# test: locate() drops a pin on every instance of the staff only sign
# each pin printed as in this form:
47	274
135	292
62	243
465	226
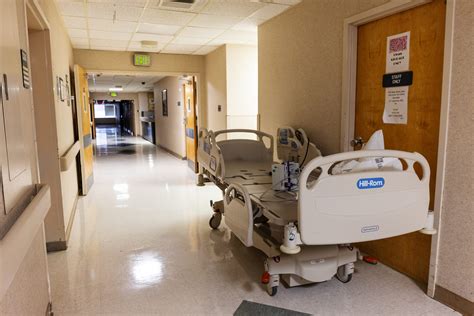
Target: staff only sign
397	79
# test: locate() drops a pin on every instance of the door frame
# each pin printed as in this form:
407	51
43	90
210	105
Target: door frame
194	82
349	68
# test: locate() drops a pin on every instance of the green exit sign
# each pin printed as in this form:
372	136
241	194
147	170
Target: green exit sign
141	60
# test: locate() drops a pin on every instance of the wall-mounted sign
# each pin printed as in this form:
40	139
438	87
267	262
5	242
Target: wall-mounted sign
396	93
398	79
141	60
25	70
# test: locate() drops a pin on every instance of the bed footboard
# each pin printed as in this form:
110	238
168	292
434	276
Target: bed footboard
365	205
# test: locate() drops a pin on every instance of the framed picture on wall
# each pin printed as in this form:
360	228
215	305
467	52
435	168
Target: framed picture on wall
164	101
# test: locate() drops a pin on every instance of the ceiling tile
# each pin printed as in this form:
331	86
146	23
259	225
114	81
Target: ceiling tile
232	8
106	48
75	22
238	36
190	40
109	43
107	11
158	28
152	37
72	8
205	50
180	49
132	3
249	25
110	25
214	21
166	17
109	35
202	32
77	33
269	11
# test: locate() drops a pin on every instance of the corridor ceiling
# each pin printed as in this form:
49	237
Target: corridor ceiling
177	27
100	82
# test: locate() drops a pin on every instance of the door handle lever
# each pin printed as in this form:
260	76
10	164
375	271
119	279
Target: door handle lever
358	141
5	83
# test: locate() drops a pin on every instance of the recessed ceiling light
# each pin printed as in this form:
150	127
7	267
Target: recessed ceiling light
149	44
115	89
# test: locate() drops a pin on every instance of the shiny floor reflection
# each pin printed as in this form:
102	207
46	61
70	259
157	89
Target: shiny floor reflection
141	245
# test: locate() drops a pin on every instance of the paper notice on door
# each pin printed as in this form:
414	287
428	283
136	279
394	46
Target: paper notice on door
398	53
396	105
398	60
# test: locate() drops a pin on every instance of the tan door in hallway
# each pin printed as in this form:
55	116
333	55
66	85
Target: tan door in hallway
189	91
85	128
409	254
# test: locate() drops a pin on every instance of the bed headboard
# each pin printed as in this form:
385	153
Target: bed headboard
365	205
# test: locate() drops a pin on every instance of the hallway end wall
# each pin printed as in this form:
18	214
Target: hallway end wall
122	96
161	64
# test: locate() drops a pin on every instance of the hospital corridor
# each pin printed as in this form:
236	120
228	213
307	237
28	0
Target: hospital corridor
236	157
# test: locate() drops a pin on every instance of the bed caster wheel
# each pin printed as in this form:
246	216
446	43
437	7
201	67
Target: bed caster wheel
344	273
215	220
272	285
272	291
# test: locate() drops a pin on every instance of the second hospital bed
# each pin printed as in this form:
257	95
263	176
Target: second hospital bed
307	235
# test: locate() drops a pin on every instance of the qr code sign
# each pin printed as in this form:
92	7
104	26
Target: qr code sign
398	44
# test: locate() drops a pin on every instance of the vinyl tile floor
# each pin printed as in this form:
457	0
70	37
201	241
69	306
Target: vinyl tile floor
141	245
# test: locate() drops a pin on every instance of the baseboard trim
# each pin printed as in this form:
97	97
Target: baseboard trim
53	246
454	301
71	218
171	152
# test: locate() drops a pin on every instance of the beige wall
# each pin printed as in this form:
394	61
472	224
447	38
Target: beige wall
456	239
216	88
62	62
300	69
242	86
170	132
25	288
29	294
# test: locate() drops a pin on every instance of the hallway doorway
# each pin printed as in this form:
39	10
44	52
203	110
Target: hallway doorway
114	113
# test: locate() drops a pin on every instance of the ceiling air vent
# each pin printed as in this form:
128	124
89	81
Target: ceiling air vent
181	5
178	4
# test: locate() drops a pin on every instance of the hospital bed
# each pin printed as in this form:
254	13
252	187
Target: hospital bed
307	235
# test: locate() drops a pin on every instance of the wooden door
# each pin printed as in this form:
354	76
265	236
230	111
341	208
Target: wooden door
85	128
189	90
409	254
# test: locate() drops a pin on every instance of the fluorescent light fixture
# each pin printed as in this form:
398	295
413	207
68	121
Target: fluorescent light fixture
115	89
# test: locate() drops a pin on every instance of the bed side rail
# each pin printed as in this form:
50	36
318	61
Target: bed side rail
364	205
209	154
